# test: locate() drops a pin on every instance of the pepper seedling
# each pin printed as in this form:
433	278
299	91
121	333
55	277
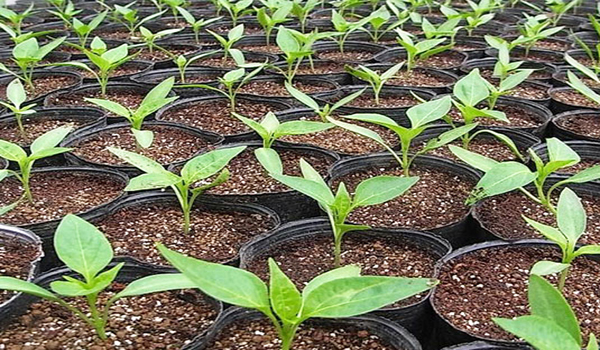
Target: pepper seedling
130	19
533	30
479	14
576	83
83	30
338	206
301	10
268	22
42	147
504	177
150	38
447	29
19	38
270	129
284	305
66	14
380	24
236	9
174	5
154	100
552	324
196	24
183	63
15	92
90	259
420	116
15	19
234	35
377	81
345	27
421	50
572	222
559	8
197	169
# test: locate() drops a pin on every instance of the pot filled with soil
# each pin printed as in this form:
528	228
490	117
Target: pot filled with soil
565	99
438	81
543	72
588	151
196	75
164	59
448	60
577	125
259	44
273	88
44	84
331	70
219	60
122	73
353	52
481	345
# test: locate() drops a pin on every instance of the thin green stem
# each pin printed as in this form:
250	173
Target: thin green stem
96	319
563	279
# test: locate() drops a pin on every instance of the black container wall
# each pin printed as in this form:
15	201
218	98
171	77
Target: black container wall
326	88
196	75
41	96
416	317
447	79
333	71
480	345
587	150
560	121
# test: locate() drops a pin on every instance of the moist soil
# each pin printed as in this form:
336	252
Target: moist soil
491	148
260	335
435	201
529	92
214	236
16	257
517	117
277	88
343	141
502	215
574	98
271	49
216	116
35	127
219	62
418	78
305	258
44	85
249	177
346	56
367	100
119	35
158	55
444	60
586	125
536	57
153	322
170	145
129	99
321	68
56	194
493	283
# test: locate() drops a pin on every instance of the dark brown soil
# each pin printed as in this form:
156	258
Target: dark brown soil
16	257
502	215
582	165
444	60
129	99
418	78
249	29
219	62
158	55
367	100
44	85
574	98
489	147
170	145
125	69
214	236
57	194
260	335
321	68
277	88
340	140
119	35
552	45
347	56
271	49
34	127
586	125
517	117
529	92
249	177
153	322
435	201
536	57
493	283
216	116
306	258
535	75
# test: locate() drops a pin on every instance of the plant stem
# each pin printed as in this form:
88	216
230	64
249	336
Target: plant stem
19	119
97	321
563	278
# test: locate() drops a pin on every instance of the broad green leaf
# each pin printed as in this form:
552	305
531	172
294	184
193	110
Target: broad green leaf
49	152
269	159
11	151
340	272
73	287
475	160
17	285
50	139
15	92
541	333
144	138
151	181
558	151
544	268
515	79
313	189
425	113
381	189
208	164
254	125
285	297
156	283
310	173
571	216
117	54
139	161
588	250
448	136
222	282
270	122
286	40
111	106
502	178
302	97
82	247
300	127
549	232
471	89
548	302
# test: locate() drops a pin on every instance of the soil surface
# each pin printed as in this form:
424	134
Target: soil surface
57	194
219	62
277	88
444	60
493	283
346	56
153	322
44	85
320	68
35	127
170	145
16	257
574	98
125	69
586	125
128	98
489	147
158	55
517	117
271	49
393	100
419	78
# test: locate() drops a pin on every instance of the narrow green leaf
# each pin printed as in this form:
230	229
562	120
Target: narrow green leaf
208	164
156	283
381	189
544	268
285	297
340	272
427	112
541	333
17	285
475	160
139	161
151	181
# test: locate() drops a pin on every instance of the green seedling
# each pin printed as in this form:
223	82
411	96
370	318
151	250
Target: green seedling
183	63
270	129
15	19
154	100
421	50
376	80
196	24
42	147
560	7
504	177
338	206
90	259
236	9
302	9
130	19
533	30
83	30
380	23
150	38
19	38
66	14
420	116
322	112
345	27
447	29
576	83
479	15
268	22
294	50
283	304
552	324
235	34
197	169
174	5
15	92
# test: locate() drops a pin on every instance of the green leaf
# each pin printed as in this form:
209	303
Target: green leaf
541	333
17	285
340	272
586	175
549	232
49	139
475	160
502	178
513	80
49	152
471	89
351	296
3	174
11	151
222	282
113	107
302	97
588	250
286	40
360	131
156	283
580	86
82	247
208	164
313	189
115	55
73	287
448	136
269	159
15	92
381	189
285	297
593	343
139	161
571	216
558	151
144	138
151	181
544	268
300	127
425	113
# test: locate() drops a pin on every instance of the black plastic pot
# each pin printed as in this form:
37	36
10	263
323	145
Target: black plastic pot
559	106
79	55
77	79
78	137
327	46
252	57
481	345
130	272
414	317
332	89
475	48
205	41
551	57
397	337
196	75
258	40
341	77
278	106
545	101
577	54
489	62
213	205
14	234
140	66
398	54
456	233
449	78
191	51
559	78
563	133
289	205
587	150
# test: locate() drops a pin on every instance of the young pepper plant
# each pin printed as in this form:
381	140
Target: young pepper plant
197	169
183	63
268	22
572	222
576	83
42	147
154	100
345	27
15	92
196	24
130	19
236	9
533	30
150	38
552	324
377	81
233	36
301	10
66	14
90	260
283	304
322	112
83	30
421	50
15	19
380	23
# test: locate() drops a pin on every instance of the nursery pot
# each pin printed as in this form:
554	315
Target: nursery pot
339	75
75	79
488	63
368	50
329	88
587	150
446	79
194	75
481	345
397	55
561	121
559	105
